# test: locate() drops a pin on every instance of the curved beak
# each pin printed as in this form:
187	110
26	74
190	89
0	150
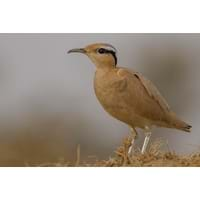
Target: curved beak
77	51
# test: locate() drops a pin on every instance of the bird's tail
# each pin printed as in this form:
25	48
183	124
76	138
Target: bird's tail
181	125
184	126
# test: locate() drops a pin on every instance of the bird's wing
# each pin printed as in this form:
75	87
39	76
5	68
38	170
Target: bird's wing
153	92
137	80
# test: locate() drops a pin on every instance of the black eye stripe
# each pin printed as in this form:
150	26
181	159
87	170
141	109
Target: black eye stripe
102	50
114	56
106	51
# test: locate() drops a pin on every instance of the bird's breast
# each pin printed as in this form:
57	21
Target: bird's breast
106	88
110	93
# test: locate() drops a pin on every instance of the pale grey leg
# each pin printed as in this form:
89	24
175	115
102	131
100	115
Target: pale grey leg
134	134
146	140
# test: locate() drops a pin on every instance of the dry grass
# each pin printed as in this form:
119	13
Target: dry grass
154	157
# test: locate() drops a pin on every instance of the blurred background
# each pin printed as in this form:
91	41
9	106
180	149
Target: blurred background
48	106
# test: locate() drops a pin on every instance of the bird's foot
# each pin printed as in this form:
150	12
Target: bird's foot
132	138
146	140
130	149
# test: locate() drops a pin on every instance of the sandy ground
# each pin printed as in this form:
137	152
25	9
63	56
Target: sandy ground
154	157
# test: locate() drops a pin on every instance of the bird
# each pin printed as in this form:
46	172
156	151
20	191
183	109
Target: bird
129	96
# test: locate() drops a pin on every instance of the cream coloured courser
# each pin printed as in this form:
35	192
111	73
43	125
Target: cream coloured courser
128	95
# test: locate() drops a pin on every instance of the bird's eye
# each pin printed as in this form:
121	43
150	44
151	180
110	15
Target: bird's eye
101	50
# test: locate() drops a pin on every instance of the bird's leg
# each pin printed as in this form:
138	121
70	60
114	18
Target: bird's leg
134	135
146	140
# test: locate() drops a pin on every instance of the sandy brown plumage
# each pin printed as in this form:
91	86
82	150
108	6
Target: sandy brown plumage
133	99
128	95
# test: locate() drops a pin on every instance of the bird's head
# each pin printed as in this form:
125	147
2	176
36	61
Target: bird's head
101	54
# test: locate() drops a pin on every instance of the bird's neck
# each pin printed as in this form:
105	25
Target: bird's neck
104	71
105	67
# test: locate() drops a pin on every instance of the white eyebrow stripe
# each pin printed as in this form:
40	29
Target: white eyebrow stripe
109	47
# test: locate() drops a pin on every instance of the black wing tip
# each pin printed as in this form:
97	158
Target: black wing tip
187	128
